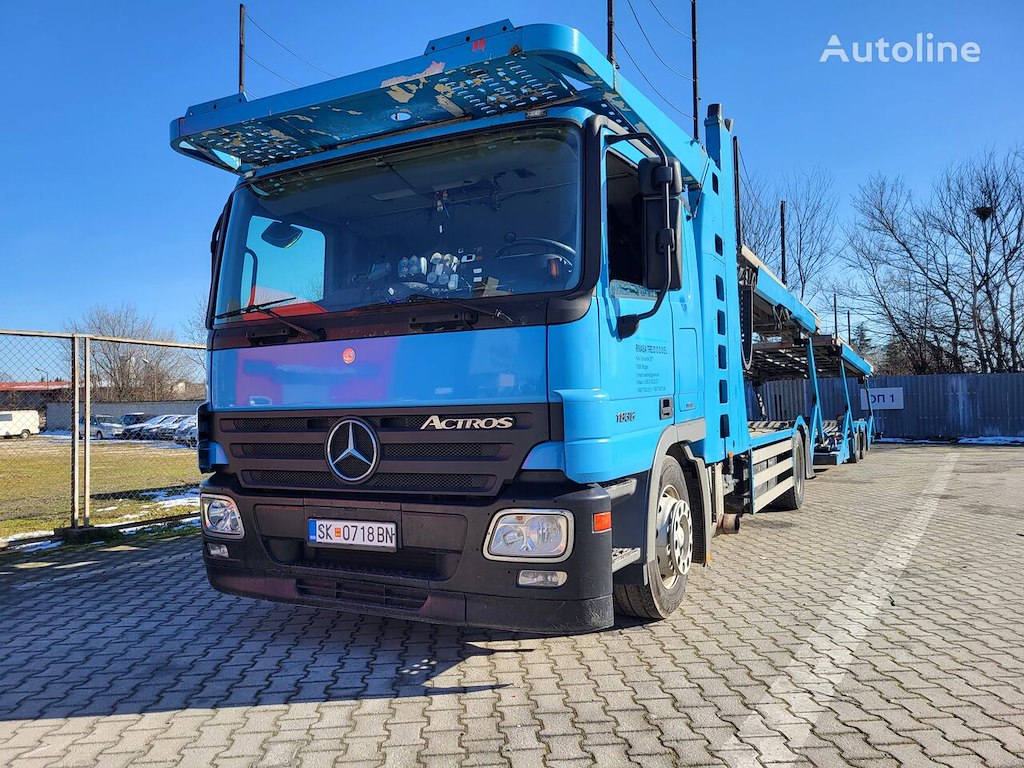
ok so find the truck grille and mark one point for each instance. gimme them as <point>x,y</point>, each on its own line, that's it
<point>288,451</point>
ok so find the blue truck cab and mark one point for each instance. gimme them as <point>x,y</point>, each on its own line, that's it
<point>476,347</point>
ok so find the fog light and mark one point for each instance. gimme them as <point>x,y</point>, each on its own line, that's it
<point>217,550</point>
<point>220,516</point>
<point>530,534</point>
<point>542,578</point>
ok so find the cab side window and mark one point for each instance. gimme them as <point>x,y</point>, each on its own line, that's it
<point>624,229</point>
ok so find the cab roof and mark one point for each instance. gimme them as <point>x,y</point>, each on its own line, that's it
<point>479,73</point>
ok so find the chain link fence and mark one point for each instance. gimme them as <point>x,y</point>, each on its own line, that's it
<point>96,431</point>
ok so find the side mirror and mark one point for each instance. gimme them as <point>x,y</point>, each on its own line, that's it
<point>661,230</point>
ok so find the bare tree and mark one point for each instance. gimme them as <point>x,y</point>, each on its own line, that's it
<point>193,329</point>
<point>130,372</point>
<point>812,246</point>
<point>942,279</point>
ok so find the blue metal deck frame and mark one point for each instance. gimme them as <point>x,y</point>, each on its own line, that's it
<point>839,360</point>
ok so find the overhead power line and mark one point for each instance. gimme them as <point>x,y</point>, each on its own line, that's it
<point>654,88</point>
<point>261,65</point>
<point>673,26</point>
<point>301,58</point>
<point>654,48</point>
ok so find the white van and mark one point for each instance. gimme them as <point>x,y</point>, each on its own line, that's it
<point>19,423</point>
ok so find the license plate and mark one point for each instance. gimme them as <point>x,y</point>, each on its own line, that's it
<point>355,534</point>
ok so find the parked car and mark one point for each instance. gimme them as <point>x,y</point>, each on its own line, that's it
<point>166,430</point>
<point>21,424</point>
<point>131,419</point>
<point>101,427</point>
<point>187,432</point>
<point>135,431</point>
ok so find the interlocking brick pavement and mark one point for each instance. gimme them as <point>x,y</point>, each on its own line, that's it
<point>879,626</point>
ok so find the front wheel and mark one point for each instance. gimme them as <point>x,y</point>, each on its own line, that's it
<point>25,434</point>
<point>673,544</point>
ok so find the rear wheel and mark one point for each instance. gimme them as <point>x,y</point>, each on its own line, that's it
<point>861,444</point>
<point>25,434</point>
<point>854,448</point>
<point>97,435</point>
<point>794,497</point>
<point>673,544</point>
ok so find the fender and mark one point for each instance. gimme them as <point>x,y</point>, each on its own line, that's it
<point>680,435</point>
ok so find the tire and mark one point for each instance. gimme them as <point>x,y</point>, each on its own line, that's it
<point>793,499</point>
<point>97,435</point>
<point>854,443</point>
<point>861,443</point>
<point>25,434</point>
<point>667,573</point>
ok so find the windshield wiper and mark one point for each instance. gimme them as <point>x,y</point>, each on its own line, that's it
<point>495,313</point>
<point>252,308</point>
<point>265,307</point>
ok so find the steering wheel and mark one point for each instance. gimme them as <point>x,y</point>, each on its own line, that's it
<point>504,251</point>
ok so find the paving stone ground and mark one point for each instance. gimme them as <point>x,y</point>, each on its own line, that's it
<point>881,625</point>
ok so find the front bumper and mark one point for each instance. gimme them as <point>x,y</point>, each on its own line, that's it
<point>439,573</point>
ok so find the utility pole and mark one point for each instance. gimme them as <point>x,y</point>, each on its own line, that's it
<point>696,94</point>
<point>611,33</point>
<point>782,238</point>
<point>241,47</point>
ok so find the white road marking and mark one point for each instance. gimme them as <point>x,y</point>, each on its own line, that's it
<point>817,667</point>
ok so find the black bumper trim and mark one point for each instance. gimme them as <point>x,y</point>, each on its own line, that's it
<point>517,614</point>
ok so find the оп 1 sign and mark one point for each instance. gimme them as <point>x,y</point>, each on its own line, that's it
<point>883,398</point>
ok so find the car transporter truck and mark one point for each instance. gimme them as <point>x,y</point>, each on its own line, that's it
<point>483,338</point>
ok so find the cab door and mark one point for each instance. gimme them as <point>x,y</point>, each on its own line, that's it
<point>638,371</point>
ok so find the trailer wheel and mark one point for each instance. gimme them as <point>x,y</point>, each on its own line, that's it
<point>794,498</point>
<point>854,443</point>
<point>673,543</point>
<point>861,443</point>
<point>25,434</point>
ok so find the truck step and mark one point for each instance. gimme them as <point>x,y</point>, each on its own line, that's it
<point>623,556</point>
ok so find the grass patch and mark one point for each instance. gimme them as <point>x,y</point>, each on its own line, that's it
<point>130,481</point>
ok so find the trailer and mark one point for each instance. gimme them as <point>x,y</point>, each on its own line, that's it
<point>481,328</point>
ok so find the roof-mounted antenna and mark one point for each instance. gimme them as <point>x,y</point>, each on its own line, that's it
<point>696,94</point>
<point>241,48</point>
<point>611,33</point>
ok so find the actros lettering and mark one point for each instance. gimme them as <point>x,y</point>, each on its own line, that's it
<point>485,422</point>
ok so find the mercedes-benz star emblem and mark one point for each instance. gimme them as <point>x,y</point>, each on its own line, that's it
<point>352,450</point>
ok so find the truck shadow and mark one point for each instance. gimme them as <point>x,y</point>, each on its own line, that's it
<point>115,630</point>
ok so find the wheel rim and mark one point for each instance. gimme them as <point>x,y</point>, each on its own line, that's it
<point>674,534</point>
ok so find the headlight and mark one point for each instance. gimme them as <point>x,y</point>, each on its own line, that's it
<point>530,534</point>
<point>220,516</point>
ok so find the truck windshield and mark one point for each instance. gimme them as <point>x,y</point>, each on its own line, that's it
<point>495,214</point>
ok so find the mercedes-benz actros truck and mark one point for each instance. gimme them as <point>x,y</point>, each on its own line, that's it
<point>481,332</point>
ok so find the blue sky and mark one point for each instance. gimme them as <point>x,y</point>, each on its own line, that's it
<point>97,209</point>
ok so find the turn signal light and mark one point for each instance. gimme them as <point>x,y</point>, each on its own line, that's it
<point>602,522</point>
